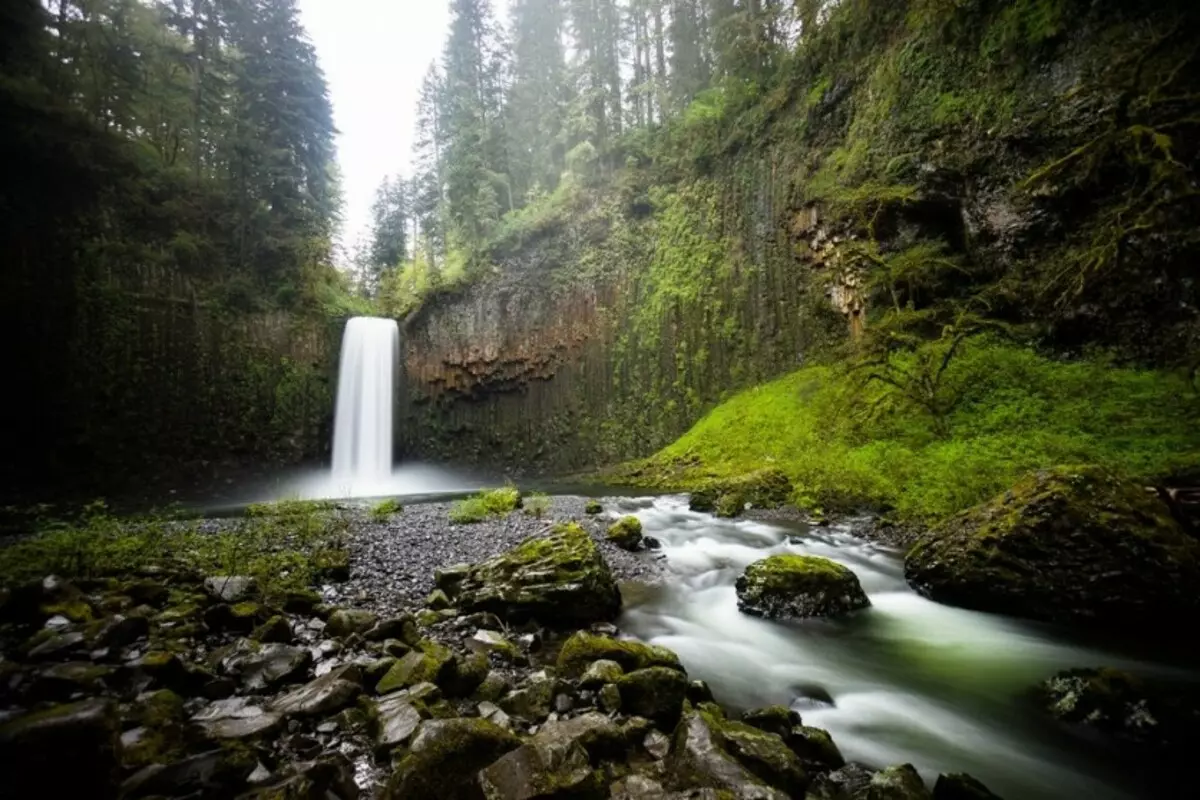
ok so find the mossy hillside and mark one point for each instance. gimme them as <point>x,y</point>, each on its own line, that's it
<point>845,441</point>
<point>284,546</point>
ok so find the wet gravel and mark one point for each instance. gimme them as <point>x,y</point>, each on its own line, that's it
<point>392,563</point>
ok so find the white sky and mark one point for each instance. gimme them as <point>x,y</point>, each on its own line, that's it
<point>374,53</point>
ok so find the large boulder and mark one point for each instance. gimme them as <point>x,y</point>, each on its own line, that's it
<point>446,757</point>
<point>656,693</point>
<point>788,585</point>
<point>699,759</point>
<point>542,770</point>
<point>82,737</point>
<point>560,580</point>
<point>1121,706</point>
<point>1072,544</point>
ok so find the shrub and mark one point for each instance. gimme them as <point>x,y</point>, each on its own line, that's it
<point>488,503</point>
<point>381,511</point>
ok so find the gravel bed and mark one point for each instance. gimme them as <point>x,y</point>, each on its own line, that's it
<point>392,563</point>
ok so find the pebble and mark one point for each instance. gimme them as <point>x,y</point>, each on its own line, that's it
<point>392,563</point>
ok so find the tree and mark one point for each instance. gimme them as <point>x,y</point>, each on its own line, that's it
<point>536,104</point>
<point>389,228</point>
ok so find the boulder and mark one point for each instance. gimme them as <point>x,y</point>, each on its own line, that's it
<point>330,777</point>
<point>324,696</point>
<point>486,642</point>
<point>275,630</point>
<point>345,621</point>
<point>789,585</point>
<point>774,719</point>
<point>262,666</point>
<point>432,663</point>
<point>698,759</point>
<point>119,631</point>
<point>221,772</point>
<point>960,786</point>
<point>594,732</point>
<point>849,782</point>
<point>445,758</point>
<point>626,533</point>
<point>231,588</point>
<point>237,718</point>
<point>815,749</point>
<point>1077,545</point>
<point>599,673</point>
<point>396,719</point>
<point>766,755</point>
<point>403,628</point>
<point>583,648</point>
<point>1121,706</point>
<point>84,737</point>
<point>899,782</point>
<point>533,700</point>
<point>542,770</point>
<point>62,681</point>
<point>559,579</point>
<point>656,693</point>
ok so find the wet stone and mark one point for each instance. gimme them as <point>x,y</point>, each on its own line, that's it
<point>231,588</point>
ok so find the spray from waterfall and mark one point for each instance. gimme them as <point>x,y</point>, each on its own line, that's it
<point>362,431</point>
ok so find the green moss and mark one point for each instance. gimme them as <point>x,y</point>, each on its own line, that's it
<point>384,509</point>
<point>582,648</point>
<point>488,503</point>
<point>592,507</point>
<point>844,442</point>
<point>626,532</point>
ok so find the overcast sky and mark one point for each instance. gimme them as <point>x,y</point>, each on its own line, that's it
<point>374,53</point>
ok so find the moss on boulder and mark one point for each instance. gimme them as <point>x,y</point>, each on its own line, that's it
<point>656,693</point>
<point>788,585</point>
<point>579,651</point>
<point>559,579</point>
<point>626,533</point>
<point>445,758</point>
<point>431,662</point>
<point>1071,544</point>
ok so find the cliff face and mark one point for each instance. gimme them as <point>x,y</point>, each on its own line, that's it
<point>923,168</point>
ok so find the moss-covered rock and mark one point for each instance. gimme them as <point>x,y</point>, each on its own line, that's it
<point>960,786</point>
<point>1072,544</point>
<point>698,759</point>
<point>728,497</point>
<point>274,630</point>
<point>559,579</point>
<point>431,662</point>
<point>65,751</point>
<point>592,507</point>
<point>815,748</point>
<point>533,700</point>
<point>445,758</point>
<point>897,782</point>
<point>599,673</point>
<point>1123,707</point>
<point>346,621</point>
<point>626,533</point>
<point>542,770</point>
<point>583,648</point>
<point>766,755</point>
<point>774,719</point>
<point>656,693</point>
<point>789,585</point>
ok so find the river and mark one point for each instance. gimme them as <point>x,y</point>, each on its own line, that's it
<point>907,680</point>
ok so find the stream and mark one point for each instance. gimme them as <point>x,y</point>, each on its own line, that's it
<point>907,680</point>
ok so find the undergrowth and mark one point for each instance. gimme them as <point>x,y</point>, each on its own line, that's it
<point>384,509</point>
<point>488,503</point>
<point>284,546</point>
<point>846,441</point>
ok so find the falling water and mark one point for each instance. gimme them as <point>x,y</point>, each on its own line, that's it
<point>362,431</point>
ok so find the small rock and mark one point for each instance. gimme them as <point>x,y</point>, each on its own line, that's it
<point>275,630</point>
<point>610,698</point>
<point>437,601</point>
<point>231,588</point>
<point>540,770</point>
<point>657,693</point>
<point>237,718</point>
<point>346,621</point>
<point>601,672</point>
<point>262,666</point>
<point>563,703</point>
<point>446,756</point>
<point>57,623</point>
<point>57,645</point>
<point>322,696</point>
<point>657,744</point>
<point>396,720</point>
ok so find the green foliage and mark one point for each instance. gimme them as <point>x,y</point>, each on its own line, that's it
<point>536,504</point>
<point>488,503</point>
<point>384,509</point>
<point>845,441</point>
<point>282,545</point>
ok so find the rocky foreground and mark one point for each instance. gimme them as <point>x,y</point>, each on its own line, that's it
<point>508,682</point>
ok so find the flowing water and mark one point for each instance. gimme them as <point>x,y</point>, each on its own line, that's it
<point>907,680</point>
<point>362,430</point>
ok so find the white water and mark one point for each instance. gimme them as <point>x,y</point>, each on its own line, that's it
<point>910,680</point>
<point>362,432</point>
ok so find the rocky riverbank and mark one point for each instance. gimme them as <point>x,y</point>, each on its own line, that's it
<point>505,680</point>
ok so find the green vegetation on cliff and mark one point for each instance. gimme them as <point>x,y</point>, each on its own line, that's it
<point>846,441</point>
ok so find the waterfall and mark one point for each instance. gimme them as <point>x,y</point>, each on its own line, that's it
<point>362,430</point>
